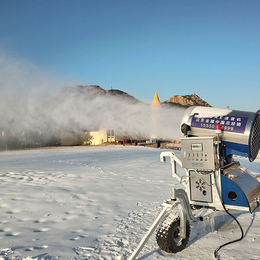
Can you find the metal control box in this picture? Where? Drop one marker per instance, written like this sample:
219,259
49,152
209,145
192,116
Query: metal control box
198,153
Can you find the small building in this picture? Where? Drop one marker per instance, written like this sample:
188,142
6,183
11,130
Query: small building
92,137
97,137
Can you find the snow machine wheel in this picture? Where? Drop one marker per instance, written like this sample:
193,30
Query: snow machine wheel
168,237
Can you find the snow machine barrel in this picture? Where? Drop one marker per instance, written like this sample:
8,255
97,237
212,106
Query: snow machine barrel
240,129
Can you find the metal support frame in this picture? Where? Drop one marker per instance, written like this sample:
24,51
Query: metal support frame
167,207
174,160
183,220
184,201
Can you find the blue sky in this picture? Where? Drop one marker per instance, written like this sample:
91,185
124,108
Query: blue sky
174,47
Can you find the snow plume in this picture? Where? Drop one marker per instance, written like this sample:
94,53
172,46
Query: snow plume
21,78
74,111
78,113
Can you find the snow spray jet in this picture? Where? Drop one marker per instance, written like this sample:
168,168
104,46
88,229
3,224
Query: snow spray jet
20,78
127,116
23,88
28,104
77,112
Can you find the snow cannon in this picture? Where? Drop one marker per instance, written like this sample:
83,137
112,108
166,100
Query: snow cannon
215,184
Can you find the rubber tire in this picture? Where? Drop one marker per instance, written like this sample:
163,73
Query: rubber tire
167,232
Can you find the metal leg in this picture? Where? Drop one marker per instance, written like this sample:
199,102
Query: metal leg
150,231
183,220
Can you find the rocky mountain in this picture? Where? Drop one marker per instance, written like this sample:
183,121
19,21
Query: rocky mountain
187,101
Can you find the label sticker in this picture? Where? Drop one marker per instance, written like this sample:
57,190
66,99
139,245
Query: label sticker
228,123
197,164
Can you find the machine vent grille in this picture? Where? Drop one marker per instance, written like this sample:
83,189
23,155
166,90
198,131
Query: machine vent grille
255,139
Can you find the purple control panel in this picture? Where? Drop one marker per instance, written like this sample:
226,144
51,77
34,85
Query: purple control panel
228,123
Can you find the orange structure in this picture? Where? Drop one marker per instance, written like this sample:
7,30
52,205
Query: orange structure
156,101
155,118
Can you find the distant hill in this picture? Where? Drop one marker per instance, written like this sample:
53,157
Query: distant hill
95,90
187,101
119,93
91,91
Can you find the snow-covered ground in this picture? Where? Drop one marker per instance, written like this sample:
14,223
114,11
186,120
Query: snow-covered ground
98,203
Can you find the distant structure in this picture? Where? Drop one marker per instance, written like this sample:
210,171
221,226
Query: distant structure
96,136
156,101
155,117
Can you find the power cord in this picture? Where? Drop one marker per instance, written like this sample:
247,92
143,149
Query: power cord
242,232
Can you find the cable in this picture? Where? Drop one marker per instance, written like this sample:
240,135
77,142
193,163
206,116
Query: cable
242,231
231,242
